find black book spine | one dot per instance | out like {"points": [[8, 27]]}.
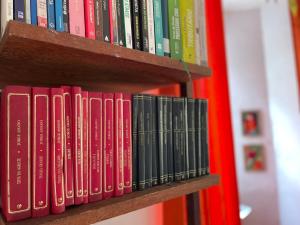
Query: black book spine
{"points": [[148, 140], [204, 123], [165, 17], [105, 21], [121, 27], [185, 140], [141, 144], [66, 15], [144, 22], [135, 107], [198, 129], [182, 122], [191, 137], [170, 140], [165, 140], [98, 19], [154, 143], [160, 139], [136, 24]]}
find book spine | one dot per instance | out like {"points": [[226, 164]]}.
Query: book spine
{"points": [[106, 5], [148, 140], [98, 19], [203, 37], [65, 8], [151, 32], [184, 137], [161, 146], [108, 135], [141, 154], [187, 25], [7, 13], [144, 25], [169, 132], [27, 11], [136, 25], [76, 17], [89, 19], [165, 20], [40, 151], [127, 23], [118, 145], [158, 26], [191, 137], [77, 144], [120, 23], [197, 31], [175, 32], [85, 146], [51, 14], [59, 26], [42, 13], [135, 107], [198, 137], [33, 12], [204, 141], [19, 11], [68, 148], [95, 146], [154, 142], [16, 151], [57, 173], [165, 140], [114, 34], [127, 140]]}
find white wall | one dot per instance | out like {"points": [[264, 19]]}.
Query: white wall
{"points": [[248, 91], [284, 105]]}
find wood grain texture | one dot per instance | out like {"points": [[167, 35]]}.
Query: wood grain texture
{"points": [[99, 211], [33, 55]]}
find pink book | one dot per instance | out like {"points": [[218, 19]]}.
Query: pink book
{"points": [[89, 13], [85, 149], [76, 17]]}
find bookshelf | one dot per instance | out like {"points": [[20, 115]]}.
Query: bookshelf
{"points": [[39, 57]]}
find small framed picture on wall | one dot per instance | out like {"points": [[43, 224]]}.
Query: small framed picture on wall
{"points": [[250, 123], [254, 158]]}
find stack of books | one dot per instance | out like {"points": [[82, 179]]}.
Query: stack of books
{"points": [[175, 28], [66, 146]]}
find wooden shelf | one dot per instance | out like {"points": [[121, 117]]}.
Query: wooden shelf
{"points": [[33, 55], [99, 211]]}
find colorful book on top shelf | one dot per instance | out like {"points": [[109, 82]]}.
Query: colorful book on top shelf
{"points": [[120, 23], [85, 146], [165, 20], [98, 13], [127, 23], [136, 25], [19, 11], [7, 13], [89, 14], [65, 7], [76, 18], [15, 153], [42, 13], [51, 14], [33, 12], [151, 29], [144, 25], [113, 22], [158, 26], [28, 11]]}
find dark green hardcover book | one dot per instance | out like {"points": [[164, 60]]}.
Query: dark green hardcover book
{"points": [[198, 135], [148, 140], [204, 141], [170, 140], [184, 141], [106, 21], [191, 137], [174, 29], [136, 25], [161, 144], [144, 23], [135, 106], [120, 20], [141, 144], [165, 140], [154, 142], [165, 20]]}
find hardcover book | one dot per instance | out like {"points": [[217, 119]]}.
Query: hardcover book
{"points": [[19, 11], [76, 17], [185, 140], [51, 14], [135, 107], [169, 133], [151, 33], [191, 137], [108, 144], [65, 8], [98, 12], [198, 136], [136, 25], [56, 158], [85, 146], [40, 151], [127, 23], [154, 142], [27, 11], [95, 146], [33, 12], [165, 139], [165, 20], [158, 27], [89, 19], [203, 38], [15, 151], [114, 22], [7, 13], [204, 141], [144, 25], [120, 22], [106, 20], [42, 13], [59, 25], [197, 9]]}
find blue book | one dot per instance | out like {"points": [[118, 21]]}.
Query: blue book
{"points": [[165, 19], [51, 14], [19, 10], [158, 26], [33, 9], [59, 16]]}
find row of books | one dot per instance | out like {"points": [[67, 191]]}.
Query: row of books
{"points": [[170, 140], [175, 28]]}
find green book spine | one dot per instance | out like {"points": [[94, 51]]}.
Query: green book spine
{"points": [[127, 23], [158, 26], [175, 32]]}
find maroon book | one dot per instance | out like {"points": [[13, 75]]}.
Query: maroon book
{"points": [[118, 147], [108, 145], [95, 146], [40, 151], [56, 155], [127, 143], [77, 144], [68, 145], [85, 145], [15, 153]]}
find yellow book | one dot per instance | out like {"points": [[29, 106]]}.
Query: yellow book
{"points": [[187, 23]]}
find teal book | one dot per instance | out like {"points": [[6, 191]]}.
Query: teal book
{"points": [[158, 26]]}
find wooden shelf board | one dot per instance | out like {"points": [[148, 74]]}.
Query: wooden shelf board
{"points": [[99, 211], [33, 55]]}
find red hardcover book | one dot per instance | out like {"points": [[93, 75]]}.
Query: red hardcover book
{"points": [[118, 147], [68, 145], [108, 145], [111, 19], [95, 146], [15, 153], [77, 144], [85, 145], [57, 153], [40, 151], [76, 17], [89, 14], [127, 142]]}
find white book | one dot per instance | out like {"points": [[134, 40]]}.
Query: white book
{"points": [[127, 23], [42, 13], [197, 31], [7, 13], [151, 34], [203, 38], [27, 11]]}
